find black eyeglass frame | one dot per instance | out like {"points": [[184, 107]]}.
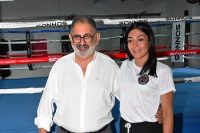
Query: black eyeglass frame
{"points": [[84, 38]]}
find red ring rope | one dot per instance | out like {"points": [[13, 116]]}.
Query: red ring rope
{"points": [[114, 55], [178, 52], [15, 61]]}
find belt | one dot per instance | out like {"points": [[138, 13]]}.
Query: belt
{"points": [[99, 131]]}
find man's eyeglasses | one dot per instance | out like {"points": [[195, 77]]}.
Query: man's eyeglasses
{"points": [[86, 38]]}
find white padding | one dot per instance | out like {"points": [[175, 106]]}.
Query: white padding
{"points": [[21, 90], [186, 80]]}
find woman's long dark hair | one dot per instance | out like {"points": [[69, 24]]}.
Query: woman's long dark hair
{"points": [[152, 60]]}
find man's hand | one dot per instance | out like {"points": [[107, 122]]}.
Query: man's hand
{"points": [[159, 115], [42, 130]]}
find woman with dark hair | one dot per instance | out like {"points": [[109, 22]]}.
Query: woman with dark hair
{"points": [[145, 83]]}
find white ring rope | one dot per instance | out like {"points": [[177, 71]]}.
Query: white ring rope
{"points": [[32, 90], [103, 38], [53, 23], [128, 21], [26, 68], [58, 23], [33, 42], [113, 37], [186, 57], [192, 57], [186, 80], [163, 58], [50, 41], [21, 90]]}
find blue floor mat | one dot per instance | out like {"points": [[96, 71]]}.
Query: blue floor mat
{"points": [[17, 111]]}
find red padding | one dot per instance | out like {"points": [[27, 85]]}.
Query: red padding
{"points": [[15, 61], [114, 55]]}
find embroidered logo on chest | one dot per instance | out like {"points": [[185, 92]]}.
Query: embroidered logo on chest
{"points": [[143, 79]]}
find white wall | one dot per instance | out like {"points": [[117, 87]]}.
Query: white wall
{"points": [[29, 8]]}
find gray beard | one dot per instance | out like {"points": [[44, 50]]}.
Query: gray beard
{"points": [[88, 50]]}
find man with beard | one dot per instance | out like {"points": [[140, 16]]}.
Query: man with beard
{"points": [[82, 85]]}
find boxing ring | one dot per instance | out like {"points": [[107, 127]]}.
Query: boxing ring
{"points": [[18, 111], [19, 98]]}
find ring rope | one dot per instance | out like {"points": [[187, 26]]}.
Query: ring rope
{"points": [[34, 31], [49, 41], [53, 30], [15, 61], [25, 68], [103, 38], [114, 55], [65, 23], [192, 57], [178, 52], [32, 90], [192, 45], [43, 67], [170, 19], [21, 90], [35, 54], [192, 33], [186, 80]]}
